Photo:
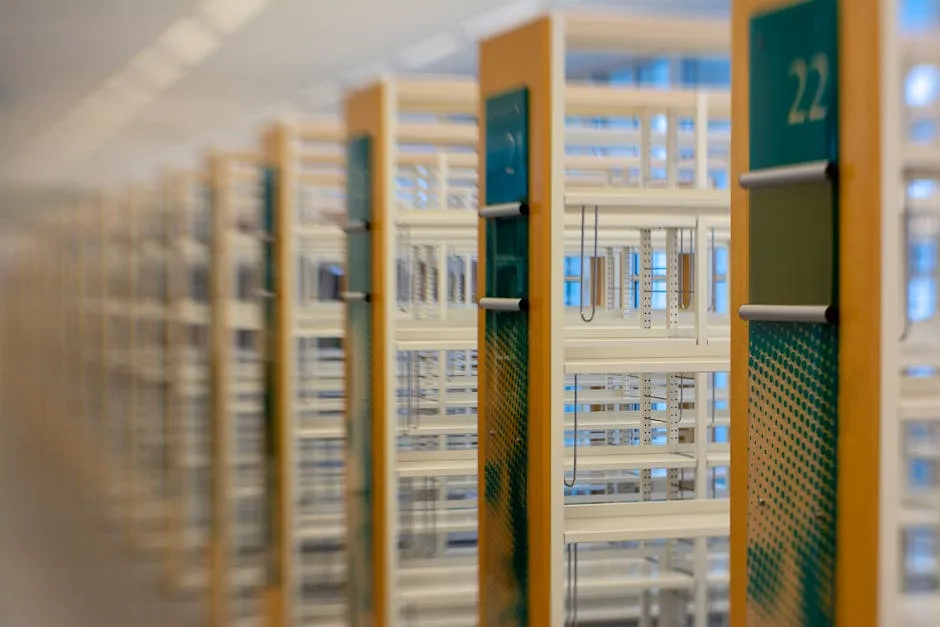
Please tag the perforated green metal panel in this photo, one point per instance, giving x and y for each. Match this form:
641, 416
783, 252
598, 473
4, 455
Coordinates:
792, 473
505, 558
358, 343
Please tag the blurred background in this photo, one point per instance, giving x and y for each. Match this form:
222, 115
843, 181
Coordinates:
102, 94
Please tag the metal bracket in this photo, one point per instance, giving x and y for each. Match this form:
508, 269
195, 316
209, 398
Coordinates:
355, 297
357, 226
503, 304
819, 314
504, 210
784, 176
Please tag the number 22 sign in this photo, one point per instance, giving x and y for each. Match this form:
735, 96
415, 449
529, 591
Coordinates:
793, 87
818, 65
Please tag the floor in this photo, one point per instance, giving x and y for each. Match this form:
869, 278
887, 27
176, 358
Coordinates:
62, 564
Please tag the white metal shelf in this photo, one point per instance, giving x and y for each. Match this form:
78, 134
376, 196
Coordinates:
646, 521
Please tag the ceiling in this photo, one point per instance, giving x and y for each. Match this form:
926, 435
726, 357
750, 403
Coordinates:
99, 91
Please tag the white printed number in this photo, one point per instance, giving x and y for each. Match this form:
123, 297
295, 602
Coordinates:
817, 111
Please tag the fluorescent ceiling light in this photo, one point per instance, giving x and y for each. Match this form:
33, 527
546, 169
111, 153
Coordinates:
186, 43
501, 19
123, 89
101, 116
156, 68
130, 95
230, 15
435, 49
190, 40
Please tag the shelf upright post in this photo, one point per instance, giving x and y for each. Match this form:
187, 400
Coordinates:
371, 357
806, 237
279, 252
867, 306
520, 360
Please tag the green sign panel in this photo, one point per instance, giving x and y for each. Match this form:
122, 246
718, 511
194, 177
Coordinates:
794, 120
272, 448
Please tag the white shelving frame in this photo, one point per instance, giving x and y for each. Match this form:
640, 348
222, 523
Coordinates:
236, 416
658, 550
909, 559
189, 507
695, 342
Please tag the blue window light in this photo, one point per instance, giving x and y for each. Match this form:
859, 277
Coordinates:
921, 299
918, 15
922, 289
572, 266
721, 435
721, 297
659, 295
921, 85
921, 188
920, 474
572, 293
659, 263
721, 261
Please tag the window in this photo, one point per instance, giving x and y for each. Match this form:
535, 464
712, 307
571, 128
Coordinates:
720, 435
705, 72
719, 178
659, 294
921, 85
918, 15
720, 295
653, 72
922, 288
572, 281
659, 284
720, 387
593, 270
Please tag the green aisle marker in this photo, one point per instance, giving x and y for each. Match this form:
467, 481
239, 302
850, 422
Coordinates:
506, 559
272, 450
793, 366
358, 343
